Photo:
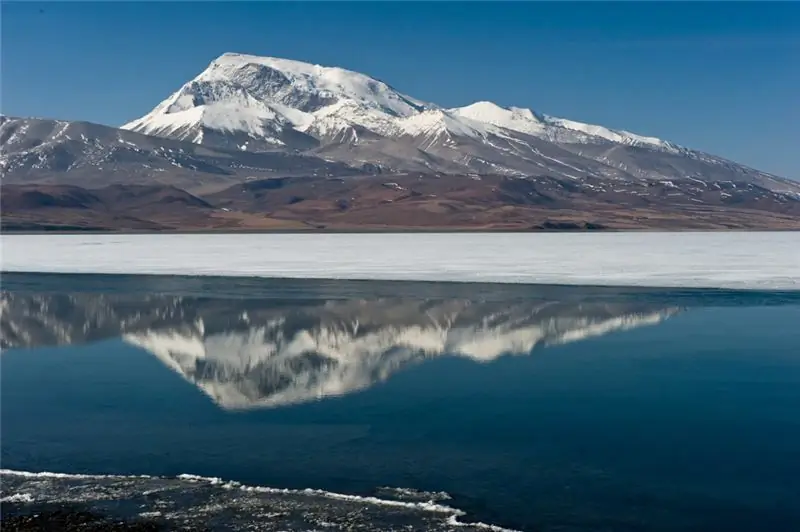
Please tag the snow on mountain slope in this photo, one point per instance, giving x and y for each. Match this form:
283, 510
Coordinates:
264, 97
349, 116
253, 104
513, 118
616, 136
308, 87
37, 151
552, 128
219, 106
261, 96
438, 120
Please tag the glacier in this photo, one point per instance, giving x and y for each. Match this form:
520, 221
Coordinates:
731, 260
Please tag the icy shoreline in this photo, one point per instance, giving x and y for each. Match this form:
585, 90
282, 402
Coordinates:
735, 260
63, 488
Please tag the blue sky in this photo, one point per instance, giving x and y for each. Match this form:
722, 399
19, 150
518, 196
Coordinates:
723, 77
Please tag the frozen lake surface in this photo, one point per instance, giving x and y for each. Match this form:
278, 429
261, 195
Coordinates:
762, 260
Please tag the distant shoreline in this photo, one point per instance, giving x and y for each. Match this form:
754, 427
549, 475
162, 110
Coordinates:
387, 231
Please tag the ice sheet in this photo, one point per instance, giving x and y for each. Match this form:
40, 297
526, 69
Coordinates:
756, 260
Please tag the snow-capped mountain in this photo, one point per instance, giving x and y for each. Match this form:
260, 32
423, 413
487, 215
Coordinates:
255, 103
267, 142
264, 96
248, 353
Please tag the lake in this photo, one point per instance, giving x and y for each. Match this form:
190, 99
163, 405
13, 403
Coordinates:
374, 405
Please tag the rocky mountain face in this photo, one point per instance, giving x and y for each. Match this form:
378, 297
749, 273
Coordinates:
36, 151
246, 353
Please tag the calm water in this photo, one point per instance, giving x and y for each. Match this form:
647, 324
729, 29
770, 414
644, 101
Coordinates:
404, 406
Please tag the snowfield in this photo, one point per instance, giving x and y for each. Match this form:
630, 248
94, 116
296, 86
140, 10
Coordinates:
758, 260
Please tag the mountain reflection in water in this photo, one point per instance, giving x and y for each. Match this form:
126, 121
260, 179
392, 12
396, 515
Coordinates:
247, 353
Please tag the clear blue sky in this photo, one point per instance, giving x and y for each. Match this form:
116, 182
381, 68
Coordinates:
723, 77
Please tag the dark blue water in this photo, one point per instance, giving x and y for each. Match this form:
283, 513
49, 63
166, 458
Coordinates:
534, 409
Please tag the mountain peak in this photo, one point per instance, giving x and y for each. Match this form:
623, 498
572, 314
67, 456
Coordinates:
288, 66
436, 121
514, 118
485, 106
308, 87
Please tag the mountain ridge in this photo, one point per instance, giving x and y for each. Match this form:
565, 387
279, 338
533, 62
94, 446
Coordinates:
356, 119
239, 69
384, 159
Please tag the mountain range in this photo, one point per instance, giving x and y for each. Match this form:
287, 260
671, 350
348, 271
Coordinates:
251, 141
